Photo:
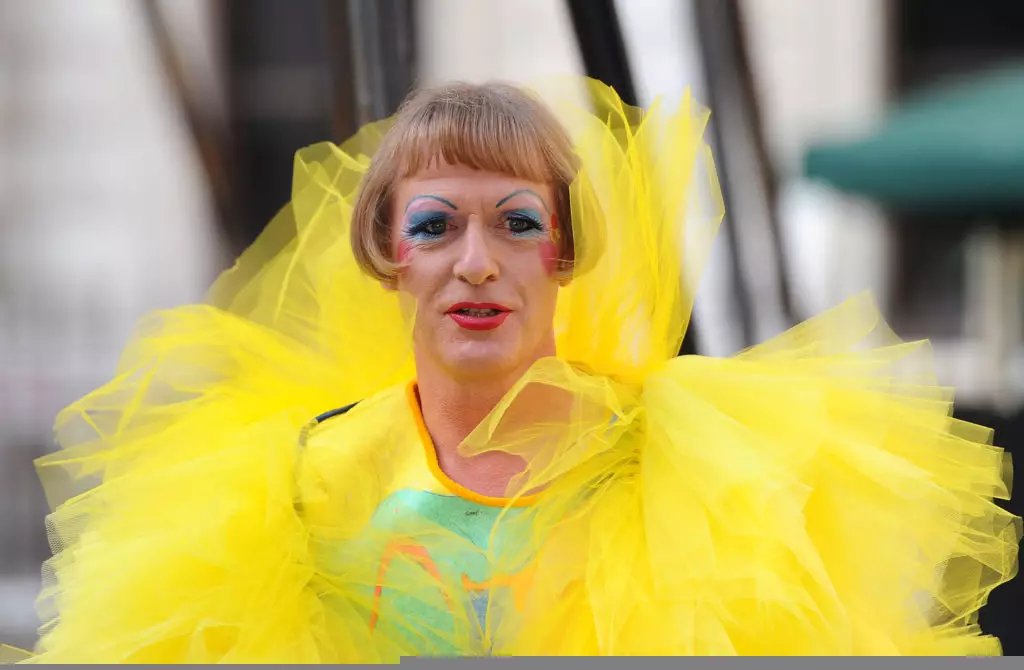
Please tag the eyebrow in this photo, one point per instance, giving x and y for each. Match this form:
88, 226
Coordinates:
521, 192
427, 196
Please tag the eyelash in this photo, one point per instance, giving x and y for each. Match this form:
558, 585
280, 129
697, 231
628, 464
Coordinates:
534, 225
421, 229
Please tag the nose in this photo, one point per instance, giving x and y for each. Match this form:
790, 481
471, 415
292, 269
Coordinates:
476, 263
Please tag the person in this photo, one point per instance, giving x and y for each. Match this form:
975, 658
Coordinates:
437, 409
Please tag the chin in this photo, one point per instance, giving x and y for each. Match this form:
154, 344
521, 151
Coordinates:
481, 359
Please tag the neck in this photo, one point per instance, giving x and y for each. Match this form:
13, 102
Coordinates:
452, 408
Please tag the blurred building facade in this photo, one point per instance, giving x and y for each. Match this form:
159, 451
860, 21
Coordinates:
103, 217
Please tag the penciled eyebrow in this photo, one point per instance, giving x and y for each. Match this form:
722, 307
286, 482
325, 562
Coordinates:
521, 192
427, 196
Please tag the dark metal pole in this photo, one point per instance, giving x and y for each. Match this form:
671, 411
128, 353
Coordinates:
717, 59
745, 72
210, 139
342, 69
600, 40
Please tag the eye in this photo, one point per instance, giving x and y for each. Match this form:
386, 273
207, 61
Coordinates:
435, 227
428, 227
523, 223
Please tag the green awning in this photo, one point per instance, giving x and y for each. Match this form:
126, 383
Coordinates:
955, 148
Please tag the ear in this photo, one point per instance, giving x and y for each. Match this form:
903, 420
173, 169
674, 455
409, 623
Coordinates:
390, 284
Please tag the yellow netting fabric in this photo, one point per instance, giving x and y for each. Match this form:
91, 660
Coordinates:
810, 496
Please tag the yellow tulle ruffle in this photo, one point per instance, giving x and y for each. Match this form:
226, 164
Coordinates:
811, 495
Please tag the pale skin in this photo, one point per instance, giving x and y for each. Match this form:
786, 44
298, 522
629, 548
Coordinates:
468, 236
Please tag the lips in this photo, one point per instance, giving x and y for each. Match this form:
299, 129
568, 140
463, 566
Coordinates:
478, 315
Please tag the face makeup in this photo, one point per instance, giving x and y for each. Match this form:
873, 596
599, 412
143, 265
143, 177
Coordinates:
472, 246
404, 249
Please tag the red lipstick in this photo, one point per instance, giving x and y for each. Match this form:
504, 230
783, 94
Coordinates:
478, 315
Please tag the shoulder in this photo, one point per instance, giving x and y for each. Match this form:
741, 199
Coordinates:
364, 417
351, 455
358, 435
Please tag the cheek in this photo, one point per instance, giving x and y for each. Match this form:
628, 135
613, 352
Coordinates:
549, 257
404, 250
421, 273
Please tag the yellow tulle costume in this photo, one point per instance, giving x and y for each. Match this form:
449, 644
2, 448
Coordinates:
811, 495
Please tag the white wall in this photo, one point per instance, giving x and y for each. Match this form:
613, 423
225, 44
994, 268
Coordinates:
103, 216
478, 40
106, 211
821, 71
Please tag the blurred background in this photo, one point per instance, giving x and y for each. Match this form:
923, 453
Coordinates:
862, 144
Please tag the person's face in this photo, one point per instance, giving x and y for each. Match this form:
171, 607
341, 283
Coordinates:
477, 251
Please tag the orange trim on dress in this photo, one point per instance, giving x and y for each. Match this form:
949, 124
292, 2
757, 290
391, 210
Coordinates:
435, 468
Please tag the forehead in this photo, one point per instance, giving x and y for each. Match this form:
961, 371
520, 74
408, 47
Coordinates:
462, 181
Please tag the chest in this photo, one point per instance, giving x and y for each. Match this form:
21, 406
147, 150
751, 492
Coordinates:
447, 569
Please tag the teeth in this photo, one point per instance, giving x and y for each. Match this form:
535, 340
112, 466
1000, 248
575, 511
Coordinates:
479, 312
